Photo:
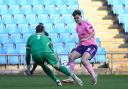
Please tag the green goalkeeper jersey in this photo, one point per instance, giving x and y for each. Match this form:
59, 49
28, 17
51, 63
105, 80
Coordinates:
38, 42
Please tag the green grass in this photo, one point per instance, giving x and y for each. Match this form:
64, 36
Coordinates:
44, 82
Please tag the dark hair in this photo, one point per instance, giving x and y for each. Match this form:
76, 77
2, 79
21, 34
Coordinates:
41, 24
76, 12
40, 28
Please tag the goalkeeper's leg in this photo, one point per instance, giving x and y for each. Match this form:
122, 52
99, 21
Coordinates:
50, 73
71, 67
52, 59
67, 72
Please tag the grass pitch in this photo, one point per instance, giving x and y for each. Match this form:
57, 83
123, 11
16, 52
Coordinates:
44, 82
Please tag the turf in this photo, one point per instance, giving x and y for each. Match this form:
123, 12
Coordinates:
44, 82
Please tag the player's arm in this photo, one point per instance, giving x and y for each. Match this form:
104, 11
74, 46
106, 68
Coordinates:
51, 44
28, 57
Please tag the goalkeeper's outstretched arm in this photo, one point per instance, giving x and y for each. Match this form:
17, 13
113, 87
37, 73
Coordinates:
28, 57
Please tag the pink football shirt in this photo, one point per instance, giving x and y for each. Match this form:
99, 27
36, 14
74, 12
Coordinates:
84, 30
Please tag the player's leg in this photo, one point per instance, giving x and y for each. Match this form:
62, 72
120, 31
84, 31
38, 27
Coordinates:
50, 73
52, 59
89, 67
76, 53
71, 65
40, 59
85, 61
67, 72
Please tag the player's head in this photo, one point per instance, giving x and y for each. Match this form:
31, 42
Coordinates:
77, 16
40, 28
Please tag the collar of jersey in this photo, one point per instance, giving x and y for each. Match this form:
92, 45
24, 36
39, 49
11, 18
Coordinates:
41, 33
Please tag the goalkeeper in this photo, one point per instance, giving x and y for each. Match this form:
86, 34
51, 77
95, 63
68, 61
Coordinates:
39, 46
45, 67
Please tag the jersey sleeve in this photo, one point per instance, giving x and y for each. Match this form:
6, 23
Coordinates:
28, 44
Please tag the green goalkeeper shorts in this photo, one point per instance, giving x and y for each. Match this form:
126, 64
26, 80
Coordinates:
42, 57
